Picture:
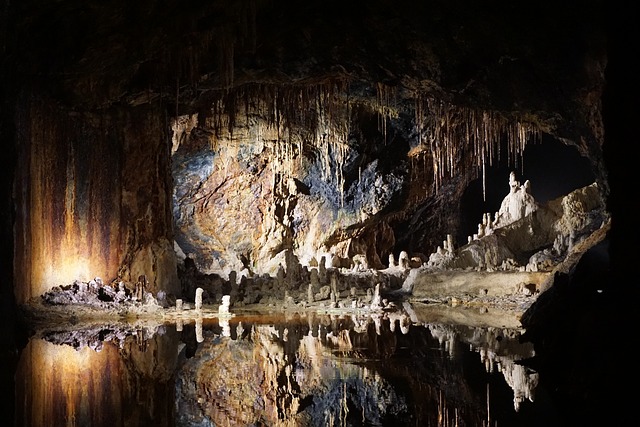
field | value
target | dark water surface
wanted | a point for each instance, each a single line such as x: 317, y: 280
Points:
x: 283, y: 370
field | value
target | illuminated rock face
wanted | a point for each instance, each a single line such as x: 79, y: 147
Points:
x: 243, y: 198
x: 93, y: 201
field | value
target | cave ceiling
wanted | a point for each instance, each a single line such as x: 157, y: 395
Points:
x: 542, y: 60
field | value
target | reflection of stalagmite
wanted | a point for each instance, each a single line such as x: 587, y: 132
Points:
x: 522, y: 382
x: 199, y: 335
x: 375, y: 300
x: 378, y: 324
x: 226, y: 328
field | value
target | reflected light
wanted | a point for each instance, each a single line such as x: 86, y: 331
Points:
x: 60, y: 386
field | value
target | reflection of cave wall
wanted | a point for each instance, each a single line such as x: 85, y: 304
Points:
x: 126, y: 381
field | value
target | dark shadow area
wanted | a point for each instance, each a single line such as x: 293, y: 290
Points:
x: 582, y: 348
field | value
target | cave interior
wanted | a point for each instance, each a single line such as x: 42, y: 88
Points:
x: 140, y: 134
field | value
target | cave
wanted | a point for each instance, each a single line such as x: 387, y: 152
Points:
x: 159, y: 156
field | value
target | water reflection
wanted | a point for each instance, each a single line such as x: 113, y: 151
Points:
x: 299, y: 369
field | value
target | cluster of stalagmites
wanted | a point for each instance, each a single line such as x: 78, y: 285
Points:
x: 295, y: 286
x: 492, y: 247
x: 335, y: 283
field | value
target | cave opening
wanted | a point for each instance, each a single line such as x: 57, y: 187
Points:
x: 553, y: 168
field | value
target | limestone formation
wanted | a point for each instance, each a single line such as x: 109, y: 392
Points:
x: 223, y: 308
x: 280, y: 277
x: 233, y: 278
x: 360, y: 262
x: 314, y: 278
x: 226, y: 327
x: 403, y: 260
x: 323, y: 293
x: 121, y: 294
x: 517, y: 204
x: 199, y: 332
x: 310, y: 297
x: 141, y: 286
x: 322, y: 270
x: 198, y: 299
x: 376, y: 301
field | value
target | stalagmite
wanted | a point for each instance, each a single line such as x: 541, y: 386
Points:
x: 310, y: 294
x: 322, y: 269
x: 392, y: 261
x: 314, y: 277
x: 233, y: 278
x: 223, y: 308
x: 198, y: 299
x: 178, y: 305
x: 280, y: 277
x: 141, y: 286
x: 403, y: 260
x: 334, y: 284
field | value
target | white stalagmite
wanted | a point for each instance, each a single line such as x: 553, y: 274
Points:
x: 198, y: 299
x: 224, y: 307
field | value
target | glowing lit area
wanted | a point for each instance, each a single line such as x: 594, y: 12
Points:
x: 70, y: 266
x: 60, y: 385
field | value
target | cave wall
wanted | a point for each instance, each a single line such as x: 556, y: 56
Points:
x: 423, y: 82
x: 92, y: 198
x: 315, y: 181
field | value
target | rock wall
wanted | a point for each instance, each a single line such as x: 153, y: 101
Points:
x: 246, y: 193
x: 92, y: 198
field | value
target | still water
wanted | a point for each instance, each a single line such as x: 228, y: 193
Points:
x: 302, y: 369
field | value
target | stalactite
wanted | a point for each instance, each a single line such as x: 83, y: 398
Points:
x: 452, y: 131
x: 383, y: 96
